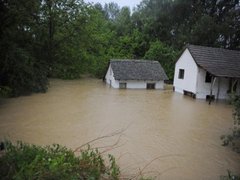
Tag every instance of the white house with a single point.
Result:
(135, 74)
(205, 72)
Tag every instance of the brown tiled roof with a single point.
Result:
(217, 61)
(126, 69)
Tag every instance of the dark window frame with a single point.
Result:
(151, 85)
(208, 77)
(181, 74)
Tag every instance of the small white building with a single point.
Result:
(135, 74)
(206, 72)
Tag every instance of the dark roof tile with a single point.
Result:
(137, 70)
(217, 61)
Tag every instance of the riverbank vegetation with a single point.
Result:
(24, 161)
(233, 139)
(67, 38)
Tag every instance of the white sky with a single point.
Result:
(121, 3)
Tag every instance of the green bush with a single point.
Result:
(5, 91)
(233, 139)
(230, 176)
(66, 72)
(23, 161)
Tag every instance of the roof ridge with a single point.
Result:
(210, 47)
(134, 60)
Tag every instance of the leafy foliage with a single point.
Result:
(22, 70)
(23, 161)
(164, 54)
(233, 139)
(5, 91)
(236, 114)
(230, 176)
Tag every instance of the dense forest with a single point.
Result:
(67, 38)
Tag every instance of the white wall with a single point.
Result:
(136, 84)
(143, 84)
(160, 85)
(189, 82)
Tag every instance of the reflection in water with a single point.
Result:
(180, 134)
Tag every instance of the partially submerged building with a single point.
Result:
(205, 72)
(135, 74)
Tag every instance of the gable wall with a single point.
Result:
(110, 78)
(189, 82)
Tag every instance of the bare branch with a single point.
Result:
(120, 132)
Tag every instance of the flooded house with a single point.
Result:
(135, 74)
(206, 72)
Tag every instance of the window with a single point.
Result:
(150, 85)
(181, 74)
(122, 85)
(208, 78)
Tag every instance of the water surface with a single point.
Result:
(171, 135)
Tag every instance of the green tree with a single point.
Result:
(123, 22)
(64, 23)
(99, 47)
(205, 32)
(22, 70)
(111, 11)
(165, 55)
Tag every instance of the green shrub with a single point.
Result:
(5, 91)
(23, 161)
(230, 176)
(66, 72)
(233, 139)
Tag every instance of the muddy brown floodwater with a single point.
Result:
(170, 135)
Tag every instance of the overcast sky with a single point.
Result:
(121, 3)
